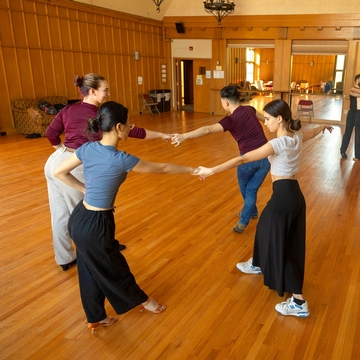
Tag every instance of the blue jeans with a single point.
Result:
(250, 177)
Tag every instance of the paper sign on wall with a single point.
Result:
(218, 74)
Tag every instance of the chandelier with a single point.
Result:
(219, 9)
(158, 3)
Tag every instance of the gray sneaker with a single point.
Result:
(248, 267)
(239, 228)
(290, 307)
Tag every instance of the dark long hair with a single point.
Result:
(280, 107)
(110, 114)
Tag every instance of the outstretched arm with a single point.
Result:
(62, 172)
(150, 134)
(355, 91)
(142, 133)
(162, 168)
(258, 154)
(307, 135)
(177, 139)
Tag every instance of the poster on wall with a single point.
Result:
(218, 74)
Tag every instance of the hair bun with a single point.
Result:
(78, 80)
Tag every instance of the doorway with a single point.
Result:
(185, 85)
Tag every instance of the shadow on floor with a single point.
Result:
(188, 107)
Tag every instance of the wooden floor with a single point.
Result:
(183, 252)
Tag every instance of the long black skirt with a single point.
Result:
(279, 248)
(103, 271)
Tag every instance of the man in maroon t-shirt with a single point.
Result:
(244, 126)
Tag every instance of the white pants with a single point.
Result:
(62, 200)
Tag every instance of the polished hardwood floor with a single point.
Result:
(183, 252)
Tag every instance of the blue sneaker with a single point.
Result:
(290, 307)
(248, 267)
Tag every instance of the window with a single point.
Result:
(250, 54)
(250, 64)
(339, 68)
(250, 72)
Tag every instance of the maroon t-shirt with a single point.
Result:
(245, 128)
(72, 120)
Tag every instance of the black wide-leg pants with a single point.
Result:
(103, 271)
(279, 248)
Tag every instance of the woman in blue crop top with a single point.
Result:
(279, 246)
(72, 120)
(102, 269)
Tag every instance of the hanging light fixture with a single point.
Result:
(158, 3)
(219, 9)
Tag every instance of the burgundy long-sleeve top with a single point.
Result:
(72, 120)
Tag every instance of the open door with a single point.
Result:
(188, 88)
(184, 85)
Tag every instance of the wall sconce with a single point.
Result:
(311, 63)
(266, 61)
(136, 55)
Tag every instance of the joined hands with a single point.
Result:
(203, 172)
(177, 139)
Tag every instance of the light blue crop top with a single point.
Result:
(286, 161)
(105, 169)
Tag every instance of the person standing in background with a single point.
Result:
(352, 120)
(355, 91)
(72, 120)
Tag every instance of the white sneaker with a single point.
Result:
(248, 267)
(290, 307)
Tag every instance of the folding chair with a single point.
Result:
(305, 108)
(150, 104)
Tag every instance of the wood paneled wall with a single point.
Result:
(267, 65)
(237, 65)
(45, 44)
(322, 70)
